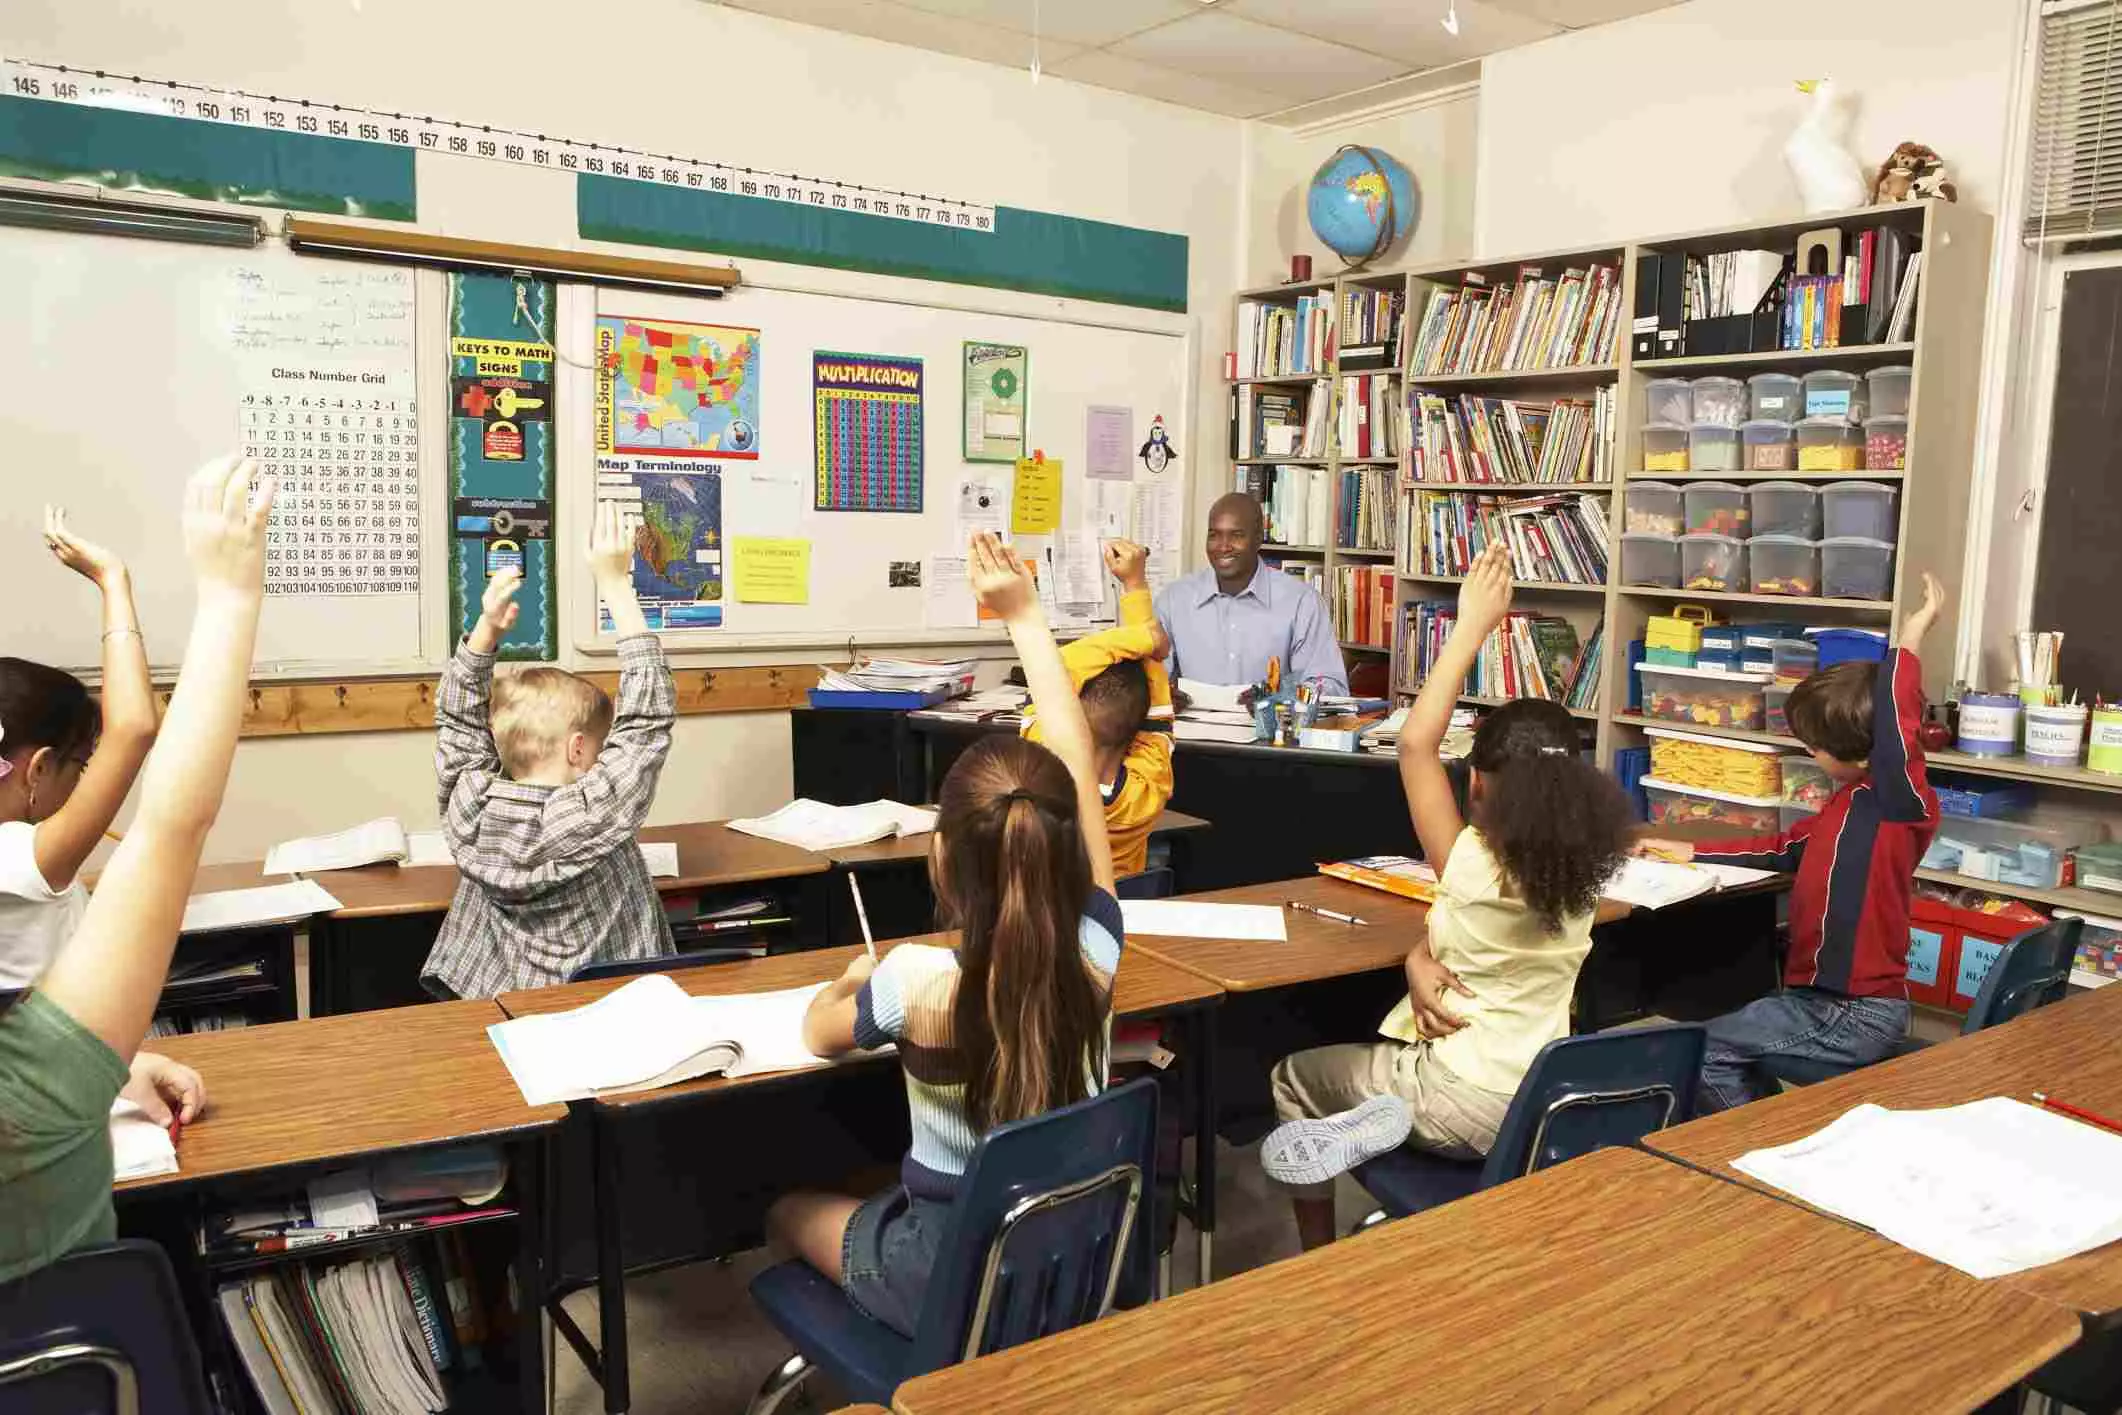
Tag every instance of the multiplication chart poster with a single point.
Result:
(868, 432)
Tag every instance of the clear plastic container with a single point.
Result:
(1806, 784)
(1831, 393)
(1672, 804)
(1716, 506)
(1830, 445)
(1776, 397)
(1784, 508)
(1665, 447)
(1859, 508)
(1854, 567)
(1783, 565)
(1704, 697)
(1712, 562)
(1714, 763)
(1719, 401)
(1655, 506)
(1768, 445)
(2032, 854)
(1888, 390)
(1648, 558)
(1795, 660)
(1885, 443)
(1711, 448)
(1669, 400)
(1773, 701)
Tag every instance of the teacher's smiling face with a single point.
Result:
(1234, 541)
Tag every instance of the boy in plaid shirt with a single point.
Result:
(542, 788)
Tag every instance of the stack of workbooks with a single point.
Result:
(1528, 656)
(1279, 340)
(893, 683)
(1369, 512)
(1277, 422)
(1214, 712)
(1297, 502)
(1558, 539)
(1502, 440)
(1535, 322)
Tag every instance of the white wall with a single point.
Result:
(705, 81)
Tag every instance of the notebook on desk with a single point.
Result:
(813, 825)
(376, 842)
(1395, 874)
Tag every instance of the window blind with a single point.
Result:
(2074, 177)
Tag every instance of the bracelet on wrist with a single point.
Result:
(109, 634)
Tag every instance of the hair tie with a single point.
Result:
(6, 766)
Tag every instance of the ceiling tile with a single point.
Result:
(1237, 52)
(1091, 22)
(1411, 31)
(900, 24)
(1106, 69)
(1576, 14)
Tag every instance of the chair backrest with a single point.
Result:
(2031, 971)
(1585, 1093)
(1146, 884)
(661, 963)
(102, 1329)
(1046, 1217)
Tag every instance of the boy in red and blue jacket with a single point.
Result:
(1845, 981)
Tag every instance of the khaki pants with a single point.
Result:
(1452, 1117)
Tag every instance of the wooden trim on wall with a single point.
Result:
(457, 252)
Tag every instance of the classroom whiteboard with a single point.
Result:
(859, 559)
(127, 363)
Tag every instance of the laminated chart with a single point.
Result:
(868, 453)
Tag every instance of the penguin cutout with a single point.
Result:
(1157, 453)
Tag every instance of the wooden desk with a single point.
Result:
(2073, 1049)
(1609, 1283)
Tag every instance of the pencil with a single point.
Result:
(862, 915)
(2047, 1102)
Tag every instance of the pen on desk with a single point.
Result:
(862, 915)
(1334, 914)
(2047, 1102)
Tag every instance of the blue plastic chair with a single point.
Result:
(1044, 1225)
(103, 1329)
(1580, 1094)
(661, 963)
(1146, 884)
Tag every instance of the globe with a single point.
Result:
(1361, 202)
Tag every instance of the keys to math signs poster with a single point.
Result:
(868, 453)
(501, 454)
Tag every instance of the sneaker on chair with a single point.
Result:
(1314, 1151)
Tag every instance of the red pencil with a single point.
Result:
(2077, 1113)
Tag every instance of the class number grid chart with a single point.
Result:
(346, 517)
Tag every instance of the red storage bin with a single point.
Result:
(1950, 949)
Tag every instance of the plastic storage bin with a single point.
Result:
(1674, 639)
(1719, 401)
(1784, 508)
(1664, 447)
(1783, 565)
(1648, 558)
(1713, 764)
(2099, 866)
(1704, 697)
(1888, 390)
(1979, 796)
(2099, 947)
(1806, 785)
(1767, 445)
(1830, 445)
(1657, 507)
(1796, 660)
(1669, 400)
(1849, 646)
(2032, 854)
(1779, 397)
(1859, 508)
(1716, 506)
(1885, 443)
(1853, 567)
(1774, 699)
(1831, 393)
(1712, 562)
(1712, 447)
(1673, 804)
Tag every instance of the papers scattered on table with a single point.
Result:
(251, 908)
(372, 842)
(1180, 918)
(813, 825)
(1653, 884)
(140, 1149)
(1217, 697)
(1992, 1187)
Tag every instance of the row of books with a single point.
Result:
(1506, 441)
(1309, 572)
(1297, 502)
(1362, 604)
(1527, 656)
(1276, 422)
(1534, 322)
(1370, 324)
(1283, 340)
(225, 1020)
(1369, 509)
(1557, 539)
(1368, 416)
(1815, 306)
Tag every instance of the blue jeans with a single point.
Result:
(1819, 1026)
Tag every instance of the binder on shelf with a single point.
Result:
(896, 701)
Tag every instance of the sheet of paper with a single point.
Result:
(248, 908)
(661, 857)
(1732, 876)
(948, 594)
(140, 1148)
(342, 1200)
(1079, 569)
(771, 571)
(1180, 918)
(428, 847)
(629, 1036)
(773, 500)
(766, 1026)
(1035, 507)
(1160, 525)
(1111, 513)
(1108, 442)
(983, 505)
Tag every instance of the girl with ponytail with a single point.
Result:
(1011, 1023)
(1491, 982)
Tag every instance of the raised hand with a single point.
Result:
(1000, 581)
(1127, 561)
(611, 544)
(1484, 597)
(224, 528)
(498, 605)
(100, 567)
(1918, 623)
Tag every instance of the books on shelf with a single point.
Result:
(1559, 539)
(1730, 282)
(1528, 655)
(1286, 339)
(1537, 321)
(1370, 325)
(813, 825)
(1369, 507)
(1510, 441)
(1362, 604)
(1296, 502)
(1277, 422)
(1368, 416)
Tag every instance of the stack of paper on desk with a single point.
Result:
(140, 1149)
(254, 908)
(1180, 918)
(813, 825)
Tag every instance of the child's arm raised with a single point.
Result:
(109, 975)
(65, 838)
(1006, 588)
(464, 738)
(1484, 600)
(1897, 767)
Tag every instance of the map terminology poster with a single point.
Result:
(868, 452)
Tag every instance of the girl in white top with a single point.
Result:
(1507, 933)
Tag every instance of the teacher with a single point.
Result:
(1228, 621)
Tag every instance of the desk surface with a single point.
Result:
(1146, 987)
(2069, 1049)
(297, 1093)
(1614, 1282)
(898, 849)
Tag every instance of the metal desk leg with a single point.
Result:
(530, 1161)
(611, 1263)
(1205, 1140)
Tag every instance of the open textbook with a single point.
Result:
(1653, 884)
(813, 825)
(254, 908)
(370, 843)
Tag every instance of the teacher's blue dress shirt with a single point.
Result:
(1229, 638)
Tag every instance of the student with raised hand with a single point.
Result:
(1013, 1022)
(65, 1047)
(1491, 982)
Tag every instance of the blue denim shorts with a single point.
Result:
(887, 1254)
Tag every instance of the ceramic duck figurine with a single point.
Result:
(1829, 179)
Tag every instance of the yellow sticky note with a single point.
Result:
(770, 570)
(1036, 508)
